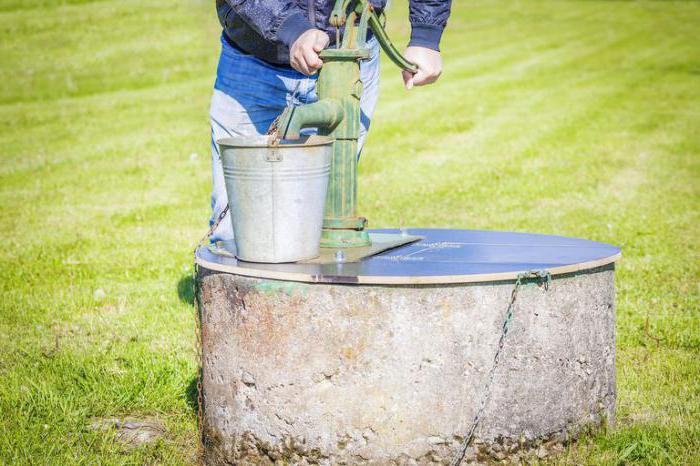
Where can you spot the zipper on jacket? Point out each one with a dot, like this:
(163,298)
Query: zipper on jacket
(311,4)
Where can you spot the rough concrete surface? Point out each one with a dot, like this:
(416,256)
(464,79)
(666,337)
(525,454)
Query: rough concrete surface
(339,374)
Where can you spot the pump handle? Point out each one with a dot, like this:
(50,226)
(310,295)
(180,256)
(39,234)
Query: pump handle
(368,17)
(388,47)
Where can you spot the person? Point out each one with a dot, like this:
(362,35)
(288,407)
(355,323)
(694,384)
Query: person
(270,59)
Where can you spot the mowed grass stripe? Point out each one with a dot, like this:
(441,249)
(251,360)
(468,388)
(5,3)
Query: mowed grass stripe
(100,47)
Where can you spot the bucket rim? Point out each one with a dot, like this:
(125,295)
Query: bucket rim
(266,141)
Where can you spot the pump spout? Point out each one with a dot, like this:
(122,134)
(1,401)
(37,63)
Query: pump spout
(326,113)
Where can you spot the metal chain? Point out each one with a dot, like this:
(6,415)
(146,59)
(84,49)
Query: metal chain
(546,278)
(273,130)
(196,294)
(200,361)
(294,101)
(212,228)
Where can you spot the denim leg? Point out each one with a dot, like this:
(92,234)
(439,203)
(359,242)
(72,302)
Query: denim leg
(248,95)
(369,75)
(228,118)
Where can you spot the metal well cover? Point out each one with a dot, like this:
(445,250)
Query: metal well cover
(443,256)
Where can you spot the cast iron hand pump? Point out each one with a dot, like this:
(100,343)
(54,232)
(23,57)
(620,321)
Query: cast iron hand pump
(337,114)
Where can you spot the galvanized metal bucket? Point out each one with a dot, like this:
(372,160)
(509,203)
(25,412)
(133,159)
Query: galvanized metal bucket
(277,195)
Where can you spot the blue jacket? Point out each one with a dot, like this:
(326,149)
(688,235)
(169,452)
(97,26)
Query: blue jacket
(267,28)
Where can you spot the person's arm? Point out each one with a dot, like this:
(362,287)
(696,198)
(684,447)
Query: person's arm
(283,21)
(428,20)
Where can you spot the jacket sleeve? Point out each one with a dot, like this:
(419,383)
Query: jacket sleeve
(275,20)
(428,20)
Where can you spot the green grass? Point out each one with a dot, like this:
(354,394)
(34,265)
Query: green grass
(572,118)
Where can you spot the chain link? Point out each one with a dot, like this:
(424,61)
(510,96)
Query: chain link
(196,294)
(274,129)
(212,228)
(545,278)
(200,363)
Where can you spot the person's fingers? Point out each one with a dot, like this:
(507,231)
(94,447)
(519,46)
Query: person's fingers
(425,77)
(303,55)
(293,63)
(321,42)
(312,61)
(407,79)
(422,78)
(300,62)
(429,65)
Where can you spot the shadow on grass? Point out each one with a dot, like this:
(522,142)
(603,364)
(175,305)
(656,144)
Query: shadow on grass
(185,289)
(192,396)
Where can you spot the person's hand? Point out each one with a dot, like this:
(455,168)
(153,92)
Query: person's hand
(303,54)
(429,66)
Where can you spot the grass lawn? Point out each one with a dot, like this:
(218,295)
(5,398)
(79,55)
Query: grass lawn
(571,118)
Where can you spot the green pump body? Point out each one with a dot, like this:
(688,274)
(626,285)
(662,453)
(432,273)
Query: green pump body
(337,114)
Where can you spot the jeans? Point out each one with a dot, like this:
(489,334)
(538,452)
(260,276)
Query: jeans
(250,93)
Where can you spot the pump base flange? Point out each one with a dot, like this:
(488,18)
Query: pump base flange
(379,242)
